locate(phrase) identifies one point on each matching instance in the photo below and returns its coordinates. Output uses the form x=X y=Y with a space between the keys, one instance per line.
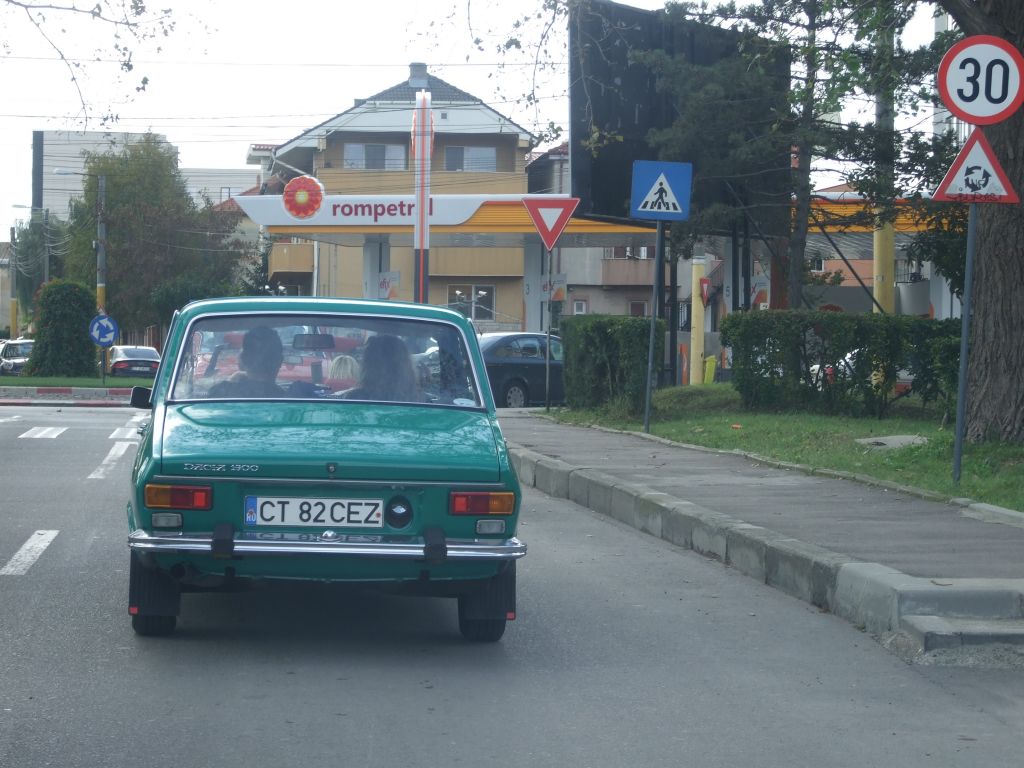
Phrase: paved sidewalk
x=946 y=574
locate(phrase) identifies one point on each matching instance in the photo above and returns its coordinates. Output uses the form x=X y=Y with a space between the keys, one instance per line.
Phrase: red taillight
x=179 y=497
x=482 y=503
x=119 y=366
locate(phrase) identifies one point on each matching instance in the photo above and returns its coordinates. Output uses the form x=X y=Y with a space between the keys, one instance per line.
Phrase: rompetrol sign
x=365 y=210
x=494 y=220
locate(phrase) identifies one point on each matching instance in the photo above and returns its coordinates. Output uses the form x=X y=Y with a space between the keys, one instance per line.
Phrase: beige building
x=366 y=151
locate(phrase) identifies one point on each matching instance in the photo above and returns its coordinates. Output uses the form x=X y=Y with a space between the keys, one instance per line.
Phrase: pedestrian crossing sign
x=661 y=191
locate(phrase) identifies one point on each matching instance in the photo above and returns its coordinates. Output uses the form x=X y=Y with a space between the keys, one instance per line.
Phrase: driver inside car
x=260 y=359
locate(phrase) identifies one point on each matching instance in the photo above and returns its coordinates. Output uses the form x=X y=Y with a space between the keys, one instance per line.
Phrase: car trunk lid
x=307 y=441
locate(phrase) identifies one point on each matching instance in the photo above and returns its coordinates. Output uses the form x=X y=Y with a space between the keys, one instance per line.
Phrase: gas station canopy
x=472 y=221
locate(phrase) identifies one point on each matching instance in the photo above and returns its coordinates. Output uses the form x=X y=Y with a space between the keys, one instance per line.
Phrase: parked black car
x=516 y=368
x=136 y=361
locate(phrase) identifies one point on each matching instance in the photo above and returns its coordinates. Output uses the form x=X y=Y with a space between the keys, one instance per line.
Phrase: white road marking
x=9 y=418
x=28 y=554
x=117 y=450
x=125 y=433
x=44 y=432
x=138 y=417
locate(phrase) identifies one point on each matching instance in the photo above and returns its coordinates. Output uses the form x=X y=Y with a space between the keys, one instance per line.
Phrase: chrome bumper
x=402 y=548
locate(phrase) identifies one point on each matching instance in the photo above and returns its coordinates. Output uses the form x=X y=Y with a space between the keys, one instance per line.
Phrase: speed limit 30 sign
x=980 y=79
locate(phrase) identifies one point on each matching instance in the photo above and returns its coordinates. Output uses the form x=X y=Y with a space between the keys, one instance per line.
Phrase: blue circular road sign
x=103 y=330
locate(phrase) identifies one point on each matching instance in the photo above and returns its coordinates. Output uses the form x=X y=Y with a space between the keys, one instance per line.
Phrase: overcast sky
x=239 y=72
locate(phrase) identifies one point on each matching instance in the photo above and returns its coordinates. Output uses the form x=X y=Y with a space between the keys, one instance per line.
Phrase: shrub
x=774 y=355
x=606 y=359
x=63 y=346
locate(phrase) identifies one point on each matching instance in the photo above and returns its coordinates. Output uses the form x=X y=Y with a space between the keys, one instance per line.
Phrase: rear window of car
x=139 y=353
x=336 y=357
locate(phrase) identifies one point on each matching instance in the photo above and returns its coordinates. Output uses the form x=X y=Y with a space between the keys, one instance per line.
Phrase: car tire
x=481 y=630
x=514 y=394
x=155 y=597
x=483 y=615
x=154 y=626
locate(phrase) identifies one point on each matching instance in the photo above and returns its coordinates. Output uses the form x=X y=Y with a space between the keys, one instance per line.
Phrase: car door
x=557 y=365
x=531 y=360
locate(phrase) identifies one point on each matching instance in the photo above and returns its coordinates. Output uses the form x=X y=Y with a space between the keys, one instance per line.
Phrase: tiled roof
x=439 y=91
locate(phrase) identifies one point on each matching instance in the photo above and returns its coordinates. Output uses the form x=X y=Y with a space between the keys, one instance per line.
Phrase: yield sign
x=550 y=215
x=976 y=176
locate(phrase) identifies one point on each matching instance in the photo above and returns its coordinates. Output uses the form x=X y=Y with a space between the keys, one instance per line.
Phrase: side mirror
x=142 y=398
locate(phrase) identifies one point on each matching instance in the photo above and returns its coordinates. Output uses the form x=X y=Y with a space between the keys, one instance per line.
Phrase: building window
x=478 y=159
x=474 y=301
x=579 y=307
x=817 y=262
x=375 y=157
x=638 y=309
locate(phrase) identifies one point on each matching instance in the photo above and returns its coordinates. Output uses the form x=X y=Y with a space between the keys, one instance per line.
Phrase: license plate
x=141 y=368
x=299 y=511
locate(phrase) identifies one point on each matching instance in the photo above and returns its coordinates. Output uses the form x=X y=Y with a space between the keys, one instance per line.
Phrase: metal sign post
x=661 y=192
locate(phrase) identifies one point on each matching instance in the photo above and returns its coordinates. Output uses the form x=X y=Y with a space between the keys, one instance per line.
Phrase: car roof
x=495 y=336
x=313 y=304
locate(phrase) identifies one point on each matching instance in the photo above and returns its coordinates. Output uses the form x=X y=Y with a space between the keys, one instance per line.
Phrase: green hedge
x=606 y=359
x=773 y=354
x=63 y=346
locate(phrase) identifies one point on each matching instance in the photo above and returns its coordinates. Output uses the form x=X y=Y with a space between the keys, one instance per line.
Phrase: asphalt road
x=627 y=652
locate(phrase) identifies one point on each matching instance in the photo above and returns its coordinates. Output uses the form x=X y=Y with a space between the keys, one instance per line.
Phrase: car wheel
x=154 y=626
x=514 y=395
x=153 y=598
x=483 y=615
x=481 y=630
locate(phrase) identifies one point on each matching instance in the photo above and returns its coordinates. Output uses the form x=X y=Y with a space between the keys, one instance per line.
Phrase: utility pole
x=101 y=245
x=13 y=265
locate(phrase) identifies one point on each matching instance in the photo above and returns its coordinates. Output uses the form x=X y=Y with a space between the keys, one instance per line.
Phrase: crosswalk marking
x=50 y=432
x=124 y=433
x=117 y=450
x=29 y=553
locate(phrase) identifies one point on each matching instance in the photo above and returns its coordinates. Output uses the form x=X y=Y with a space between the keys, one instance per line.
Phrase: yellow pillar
x=696 y=324
x=885 y=269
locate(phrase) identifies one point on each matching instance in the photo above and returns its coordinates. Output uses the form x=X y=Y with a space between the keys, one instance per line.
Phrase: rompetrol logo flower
x=302 y=196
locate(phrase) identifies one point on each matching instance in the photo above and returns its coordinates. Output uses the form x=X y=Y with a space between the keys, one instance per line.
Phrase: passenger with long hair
x=387 y=372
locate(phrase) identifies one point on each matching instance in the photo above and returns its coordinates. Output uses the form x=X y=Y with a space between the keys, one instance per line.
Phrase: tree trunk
x=995 y=378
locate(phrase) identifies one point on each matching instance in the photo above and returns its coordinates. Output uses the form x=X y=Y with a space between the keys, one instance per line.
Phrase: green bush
x=606 y=359
x=773 y=354
x=63 y=346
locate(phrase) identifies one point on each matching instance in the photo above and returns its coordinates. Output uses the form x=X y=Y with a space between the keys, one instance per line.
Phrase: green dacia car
x=319 y=439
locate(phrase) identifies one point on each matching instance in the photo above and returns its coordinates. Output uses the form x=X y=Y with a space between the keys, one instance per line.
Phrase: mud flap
x=496 y=599
x=151 y=592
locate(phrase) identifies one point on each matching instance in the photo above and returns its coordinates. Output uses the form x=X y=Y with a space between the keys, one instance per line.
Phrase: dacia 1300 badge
x=297 y=439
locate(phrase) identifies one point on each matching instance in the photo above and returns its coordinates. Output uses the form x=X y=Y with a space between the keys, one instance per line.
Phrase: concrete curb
x=874 y=597
x=91 y=397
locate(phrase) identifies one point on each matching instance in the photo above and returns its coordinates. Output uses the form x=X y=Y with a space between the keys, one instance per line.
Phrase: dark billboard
x=615 y=103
